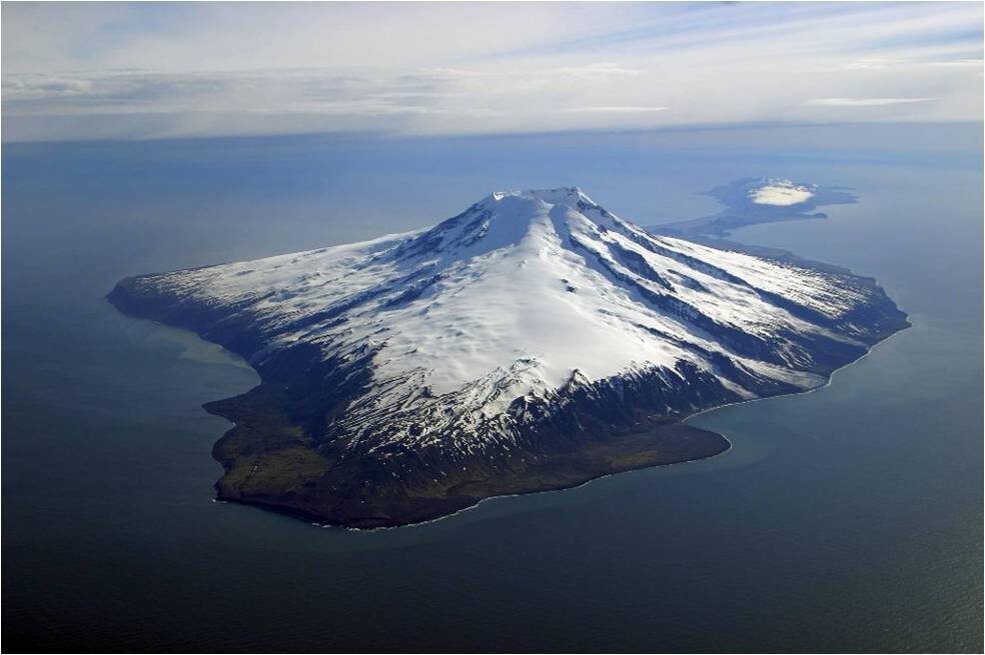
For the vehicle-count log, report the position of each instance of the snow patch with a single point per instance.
(780, 193)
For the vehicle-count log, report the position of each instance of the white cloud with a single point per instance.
(444, 68)
(615, 109)
(44, 86)
(597, 70)
(973, 63)
(865, 102)
(871, 63)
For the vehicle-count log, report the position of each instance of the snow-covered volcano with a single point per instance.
(531, 316)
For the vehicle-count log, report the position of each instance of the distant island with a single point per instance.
(535, 341)
(753, 200)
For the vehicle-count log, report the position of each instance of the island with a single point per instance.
(753, 200)
(533, 342)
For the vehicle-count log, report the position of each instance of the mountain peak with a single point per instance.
(560, 195)
(570, 196)
(534, 218)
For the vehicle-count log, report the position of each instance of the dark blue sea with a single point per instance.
(848, 519)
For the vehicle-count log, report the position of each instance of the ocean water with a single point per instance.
(847, 519)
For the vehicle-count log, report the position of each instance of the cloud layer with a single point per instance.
(153, 70)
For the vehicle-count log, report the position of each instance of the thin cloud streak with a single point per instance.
(865, 102)
(615, 110)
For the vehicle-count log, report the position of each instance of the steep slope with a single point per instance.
(411, 375)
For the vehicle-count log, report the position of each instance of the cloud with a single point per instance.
(44, 86)
(597, 70)
(198, 69)
(973, 63)
(615, 109)
(871, 63)
(865, 102)
(586, 71)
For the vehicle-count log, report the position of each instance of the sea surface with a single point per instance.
(847, 519)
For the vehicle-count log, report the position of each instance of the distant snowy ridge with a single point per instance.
(530, 315)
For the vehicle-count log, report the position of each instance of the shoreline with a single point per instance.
(794, 394)
(661, 443)
(480, 501)
(535, 493)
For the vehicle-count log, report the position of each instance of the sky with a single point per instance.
(158, 70)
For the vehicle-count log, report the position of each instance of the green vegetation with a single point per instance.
(271, 462)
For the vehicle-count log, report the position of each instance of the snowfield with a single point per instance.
(522, 294)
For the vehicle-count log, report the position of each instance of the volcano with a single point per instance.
(534, 341)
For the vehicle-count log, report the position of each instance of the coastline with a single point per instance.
(829, 377)
(318, 524)
(663, 442)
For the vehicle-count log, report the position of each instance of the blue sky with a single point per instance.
(149, 70)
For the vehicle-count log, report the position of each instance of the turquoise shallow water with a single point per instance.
(849, 518)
